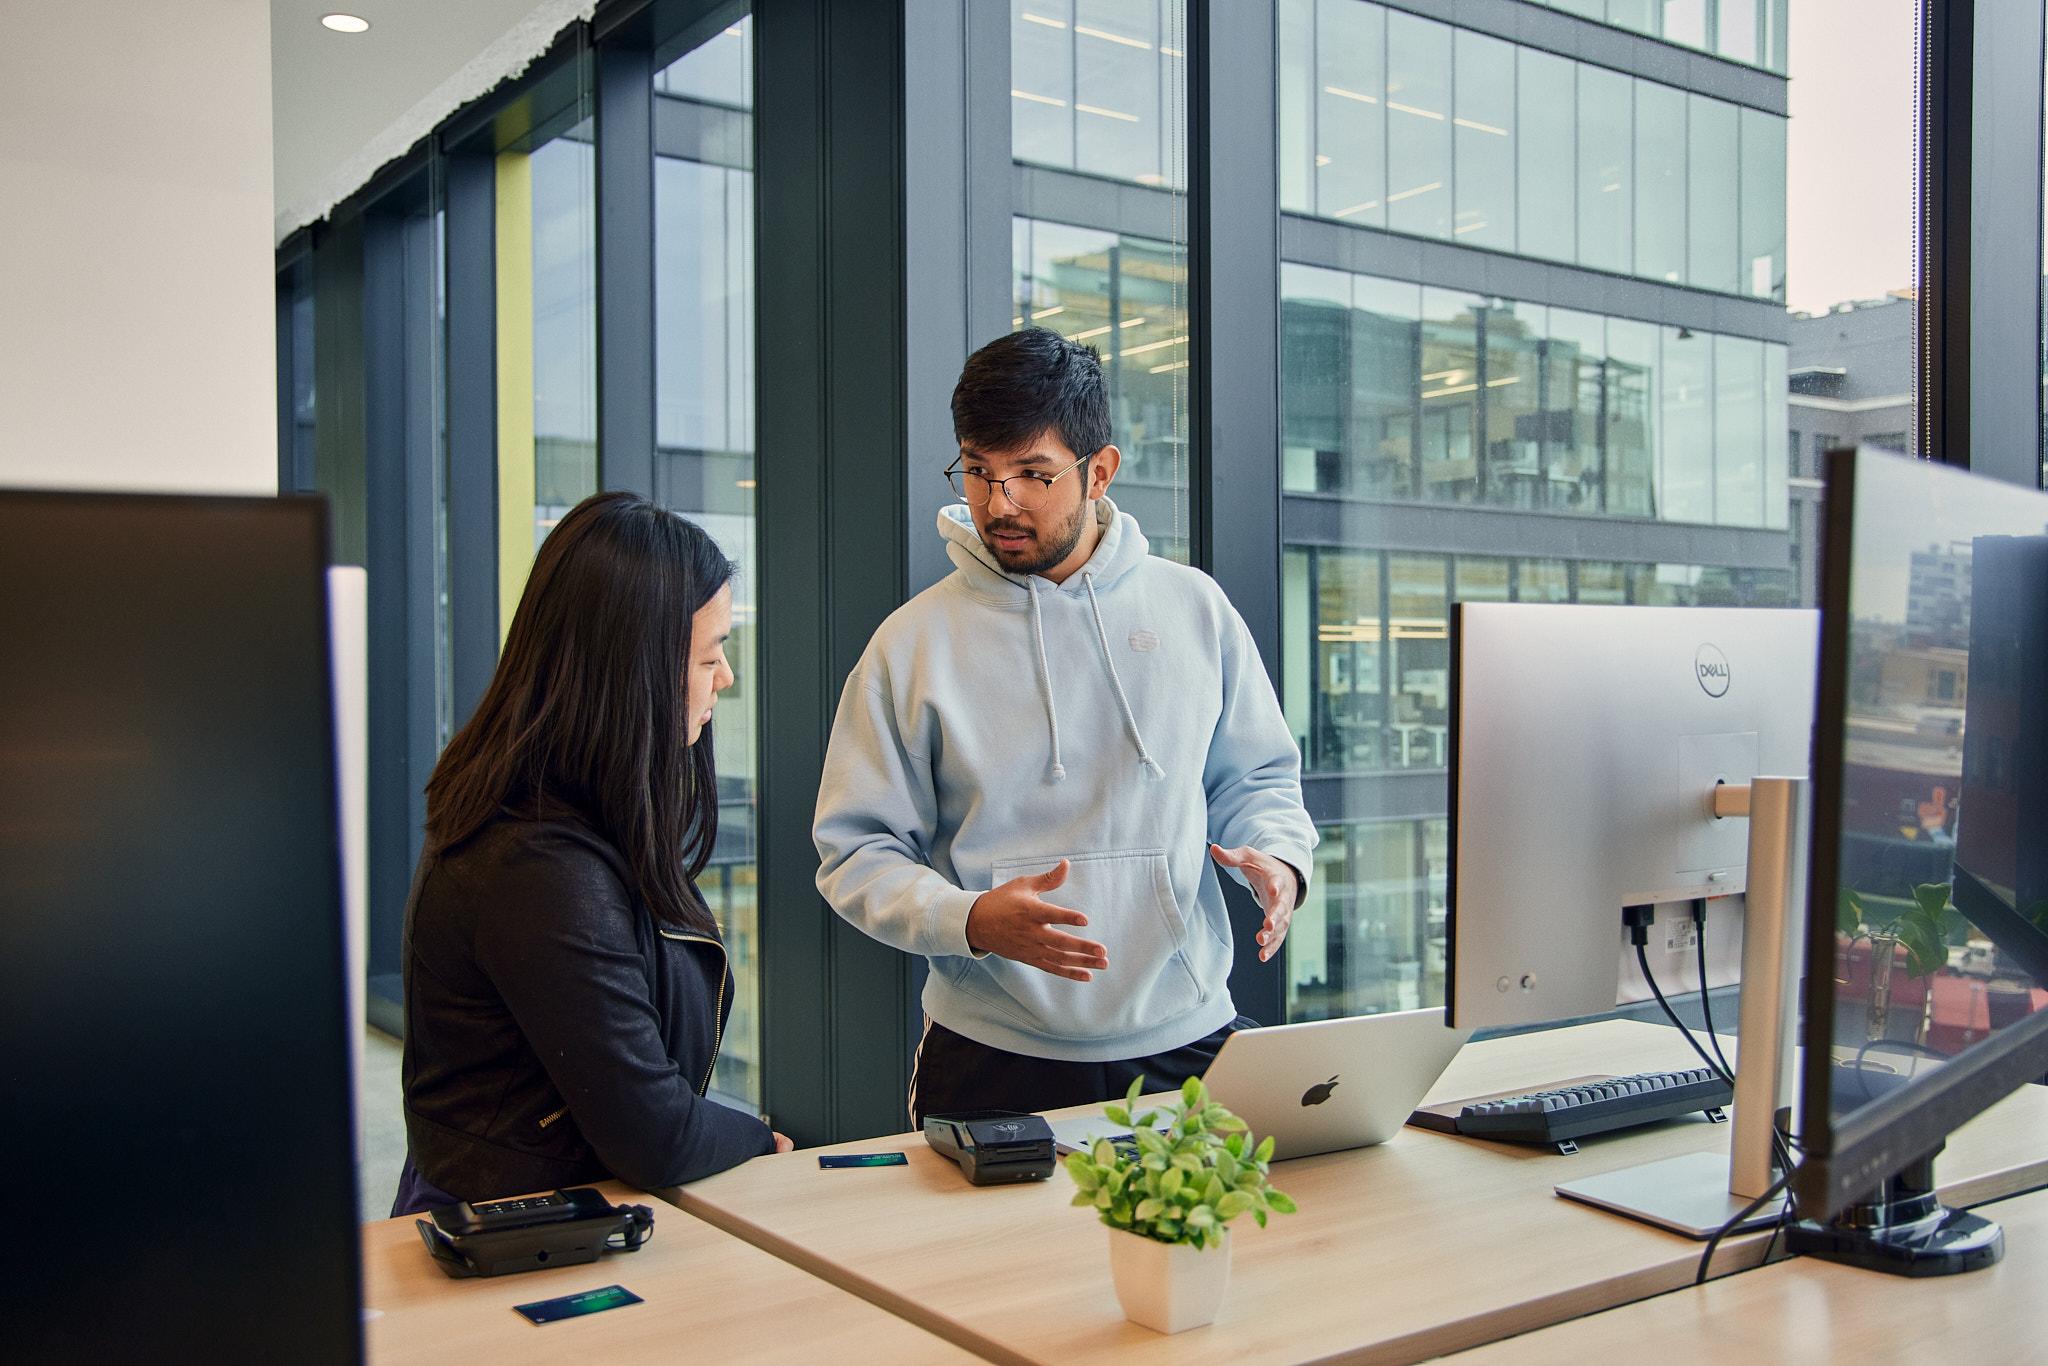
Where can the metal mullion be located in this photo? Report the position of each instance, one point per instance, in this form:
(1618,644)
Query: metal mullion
(1234,387)
(624,74)
(472,408)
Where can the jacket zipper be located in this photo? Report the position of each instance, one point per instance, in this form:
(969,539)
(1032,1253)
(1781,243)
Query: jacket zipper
(718,1011)
(550,1119)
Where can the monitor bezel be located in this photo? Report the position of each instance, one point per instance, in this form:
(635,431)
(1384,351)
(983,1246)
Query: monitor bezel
(1844,1163)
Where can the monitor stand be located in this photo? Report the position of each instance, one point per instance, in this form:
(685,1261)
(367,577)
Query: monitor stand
(1905,1231)
(1700,1194)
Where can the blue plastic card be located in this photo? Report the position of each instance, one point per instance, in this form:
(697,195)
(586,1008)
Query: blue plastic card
(863,1160)
(576,1306)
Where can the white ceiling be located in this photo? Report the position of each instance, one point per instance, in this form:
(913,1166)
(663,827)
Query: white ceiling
(345,104)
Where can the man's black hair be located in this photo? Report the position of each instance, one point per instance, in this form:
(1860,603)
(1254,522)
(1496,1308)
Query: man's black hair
(1021,386)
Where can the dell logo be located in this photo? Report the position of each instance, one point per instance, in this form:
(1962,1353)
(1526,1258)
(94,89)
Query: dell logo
(1711,668)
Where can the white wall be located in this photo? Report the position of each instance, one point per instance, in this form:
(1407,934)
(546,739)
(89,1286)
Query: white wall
(137,285)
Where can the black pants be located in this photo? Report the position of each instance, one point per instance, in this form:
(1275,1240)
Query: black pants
(955,1073)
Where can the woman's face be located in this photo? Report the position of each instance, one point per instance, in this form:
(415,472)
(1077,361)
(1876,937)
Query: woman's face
(709,674)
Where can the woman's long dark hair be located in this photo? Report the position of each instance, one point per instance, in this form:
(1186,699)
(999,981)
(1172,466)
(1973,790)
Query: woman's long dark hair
(587,707)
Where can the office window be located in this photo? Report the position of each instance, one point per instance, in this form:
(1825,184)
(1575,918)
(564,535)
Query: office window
(1096,86)
(1711,193)
(1606,169)
(1418,125)
(1484,142)
(704,467)
(1777,469)
(1450,400)
(1543,581)
(1763,205)
(1571,411)
(297,411)
(1660,182)
(1546,185)
(1632,422)
(1347,726)
(1127,297)
(1042,81)
(1515,475)
(1350,95)
(1739,429)
(547,355)
(1686,451)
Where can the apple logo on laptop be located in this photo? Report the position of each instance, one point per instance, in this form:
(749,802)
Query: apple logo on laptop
(1320,1092)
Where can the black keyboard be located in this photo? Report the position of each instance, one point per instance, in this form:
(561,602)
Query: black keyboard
(1595,1107)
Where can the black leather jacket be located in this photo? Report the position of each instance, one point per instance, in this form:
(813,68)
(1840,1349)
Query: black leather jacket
(554,1033)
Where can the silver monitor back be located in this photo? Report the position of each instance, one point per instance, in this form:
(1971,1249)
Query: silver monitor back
(1585,745)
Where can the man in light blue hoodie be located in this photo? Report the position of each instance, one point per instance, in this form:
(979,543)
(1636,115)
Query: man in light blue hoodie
(1040,763)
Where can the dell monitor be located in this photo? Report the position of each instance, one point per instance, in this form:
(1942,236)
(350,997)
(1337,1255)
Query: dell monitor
(1928,995)
(173,1029)
(1586,746)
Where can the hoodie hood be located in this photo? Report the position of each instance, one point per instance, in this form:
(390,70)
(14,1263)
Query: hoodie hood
(1121,549)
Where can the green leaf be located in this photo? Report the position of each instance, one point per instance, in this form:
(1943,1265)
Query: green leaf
(1230,1124)
(1168,1230)
(1154,1162)
(1226,1168)
(1280,1201)
(1105,1153)
(1188,1163)
(1170,1183)
(1264,1152)
(1235,1143)
(1193,1094)
(1116,1178)
(1137,1089)
(1146,1120)
(1083,1198)
(1201,1216)
(1212,1189)
(1259,1214)
(1117,1114)
(1234,1204)
(1149,1209)
(1849,915)
(1103,1198)
(1932,898)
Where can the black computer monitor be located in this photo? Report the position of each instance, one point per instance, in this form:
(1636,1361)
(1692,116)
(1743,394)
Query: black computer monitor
(179,1140)
(1926,995)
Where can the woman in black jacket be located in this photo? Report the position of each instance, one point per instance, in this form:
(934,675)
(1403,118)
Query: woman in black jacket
(565,985)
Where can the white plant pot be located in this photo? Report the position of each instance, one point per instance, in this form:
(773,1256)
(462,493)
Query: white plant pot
(1168,1287)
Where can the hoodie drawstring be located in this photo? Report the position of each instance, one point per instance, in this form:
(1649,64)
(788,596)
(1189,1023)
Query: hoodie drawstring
(1052,713)
(1108,659)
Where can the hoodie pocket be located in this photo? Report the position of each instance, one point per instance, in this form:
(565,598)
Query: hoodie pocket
(1128,899)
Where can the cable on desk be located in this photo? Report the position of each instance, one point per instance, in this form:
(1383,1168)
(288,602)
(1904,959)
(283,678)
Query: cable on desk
(1780,1143)
(1699,920)
(1707,1257)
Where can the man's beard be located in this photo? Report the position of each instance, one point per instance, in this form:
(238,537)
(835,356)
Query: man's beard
(1054,549)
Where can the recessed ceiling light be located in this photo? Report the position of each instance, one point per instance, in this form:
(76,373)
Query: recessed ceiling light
(345,23)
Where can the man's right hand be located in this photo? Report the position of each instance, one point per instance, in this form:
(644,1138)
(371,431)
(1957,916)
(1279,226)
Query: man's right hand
(1014,921)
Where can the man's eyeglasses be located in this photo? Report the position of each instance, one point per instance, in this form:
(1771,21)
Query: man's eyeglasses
(1026,492)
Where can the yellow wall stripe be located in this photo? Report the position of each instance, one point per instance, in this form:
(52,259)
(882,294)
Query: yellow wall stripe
(515,381)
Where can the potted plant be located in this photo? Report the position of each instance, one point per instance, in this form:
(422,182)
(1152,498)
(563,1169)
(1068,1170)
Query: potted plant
(1169,1205)
(1923,926)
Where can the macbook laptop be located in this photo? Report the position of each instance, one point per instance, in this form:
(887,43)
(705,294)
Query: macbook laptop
(1319,1086)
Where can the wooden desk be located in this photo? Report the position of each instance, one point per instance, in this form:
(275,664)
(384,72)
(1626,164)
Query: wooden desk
(709,1297)
(1424,1245)
(1804,1310)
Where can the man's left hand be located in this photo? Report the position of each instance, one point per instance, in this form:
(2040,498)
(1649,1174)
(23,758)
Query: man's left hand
(1275,886)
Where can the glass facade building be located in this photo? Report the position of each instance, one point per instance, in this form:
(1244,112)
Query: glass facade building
(1417,410)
